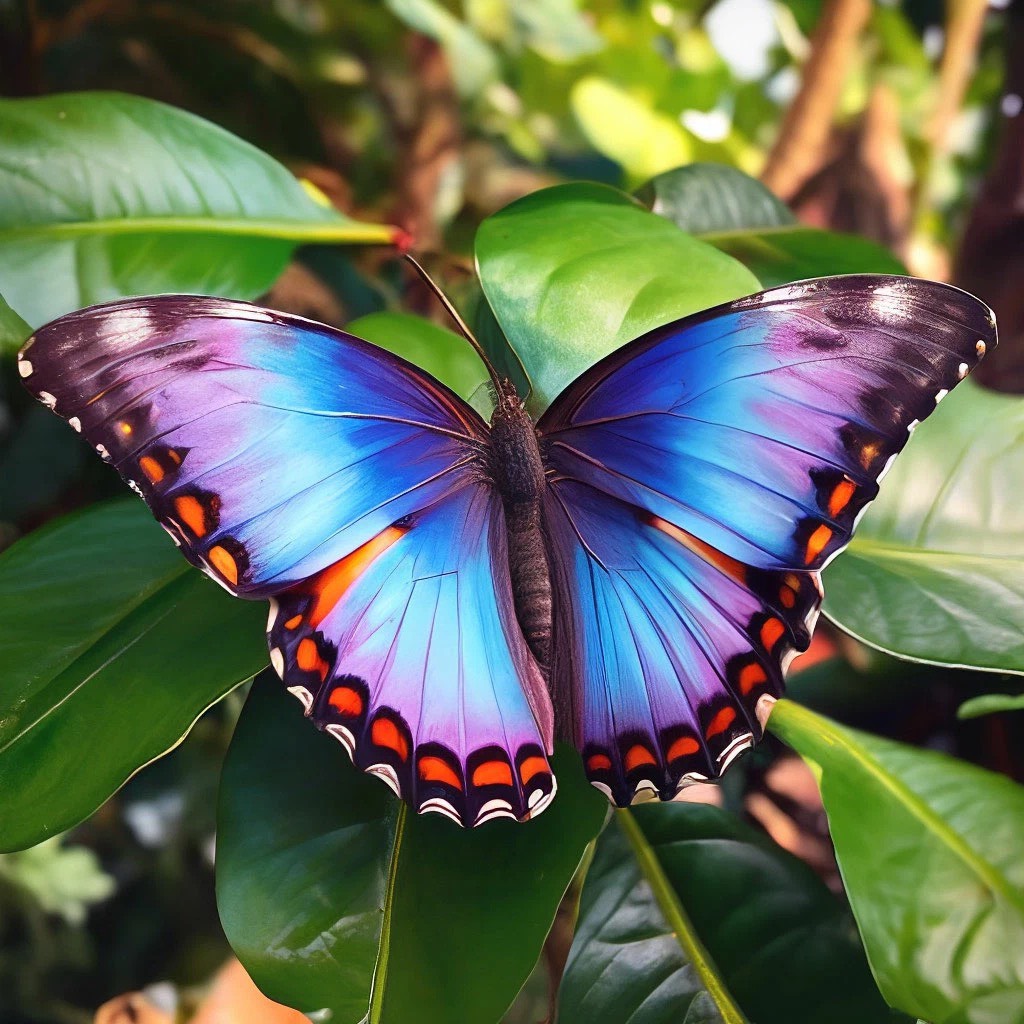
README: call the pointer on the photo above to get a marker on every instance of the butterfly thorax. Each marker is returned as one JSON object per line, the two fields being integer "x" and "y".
{"x": 518, "y": 472}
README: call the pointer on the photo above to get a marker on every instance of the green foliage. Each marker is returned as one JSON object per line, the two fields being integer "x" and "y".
{"x": 575, "y": 271}
{"x": 935, "y": 572}
{"x": 990, "y": 704}
{"x": 688, "y": 913}
{"x": 105, "y": 195}
{"x": 929, "y": 848}
{"x": 354, "y": 904}
{"x": 124, "y": 647}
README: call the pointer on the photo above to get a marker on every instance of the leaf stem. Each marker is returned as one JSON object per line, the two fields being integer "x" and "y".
{"x": 380, "y": 970}
{"x": 677, "y": 918}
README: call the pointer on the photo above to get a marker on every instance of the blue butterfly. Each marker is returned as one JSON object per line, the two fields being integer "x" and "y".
{"x": 632, "y": 573}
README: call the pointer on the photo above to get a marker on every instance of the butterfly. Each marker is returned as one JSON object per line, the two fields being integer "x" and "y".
{"x": 632, "y": 573}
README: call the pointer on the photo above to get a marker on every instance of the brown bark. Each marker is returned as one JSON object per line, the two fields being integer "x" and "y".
{"x": 804, "y": 134}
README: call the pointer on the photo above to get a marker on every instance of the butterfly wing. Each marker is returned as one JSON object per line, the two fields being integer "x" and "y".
{"x": 408, "y": 652}
{"x": 295, "y": 462}
{"x": 700, "y": 479}
{"x": 268, "y": 446}
{"x": 763, "y": 426}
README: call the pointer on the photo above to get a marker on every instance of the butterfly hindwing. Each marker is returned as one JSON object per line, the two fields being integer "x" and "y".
{"x": 409, "y": 653}
{"x": 700, "y": 478}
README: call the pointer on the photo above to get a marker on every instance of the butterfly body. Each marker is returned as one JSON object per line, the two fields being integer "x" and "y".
{"x": 520, "y": 476}
{"x": 633, "y": 573}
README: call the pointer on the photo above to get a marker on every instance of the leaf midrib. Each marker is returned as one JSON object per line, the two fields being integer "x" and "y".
{"x": 270, "y": 228}
{"x": 380, "y": 971}
{"x": 891, "y": 549}
{"x": 987, "y": 873}
{"x": 677, "y": 918}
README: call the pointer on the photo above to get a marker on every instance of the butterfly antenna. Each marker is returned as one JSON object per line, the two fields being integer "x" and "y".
{"x": 459, "y": 322}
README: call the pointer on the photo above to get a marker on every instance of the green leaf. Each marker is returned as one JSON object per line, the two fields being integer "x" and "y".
{"x": 990, "y": 704}
{"x": 443, "y": 353}
{"x": 737, "y": 214}
{"x": 64, "y": 880}
{"x": 335, "y": 896}
{"x": 632, "y": 133}
{"x": 930, "y": 853}
{"x": 689, "y": 914}
{"x": 14, "y": 331}
{"x": 575, "y": 271}
{"x": 112, "y": 646}
{"x": 704, "y": 197}
{"x": 936, "y": 569}
{"x": 104, "y": 195}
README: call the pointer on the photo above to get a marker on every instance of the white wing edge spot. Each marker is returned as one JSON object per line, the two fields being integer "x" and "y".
{"x": 494, "y": 809}
{"x": 48, "y": 400}
{"x": 731, "y": 752}
{"x": 344, "y": 737}
{"x": 75, "y": 424}
{"x": 939, "y": 396}
{"x": 24, "y": 368}
{"x": 438, "y": 805}
{"x": 388, "y": 774}
{"x": 272, "y": 614}
{"x": 304, "y": 696}
{"x": 277, "y": 660}
{"x": 962, "y": 370}
{"x": 981, "y": 347}
{"x": 763, "y": 708}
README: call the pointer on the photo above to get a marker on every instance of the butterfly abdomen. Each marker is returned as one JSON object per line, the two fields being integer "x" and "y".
{"x": 518, "y": 473}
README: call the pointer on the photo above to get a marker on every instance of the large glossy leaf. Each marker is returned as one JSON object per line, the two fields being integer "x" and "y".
{"x": 936, "y": 569}
{"x": 104, "y": 195}
{"x": 689, "y": 914}
{"x": 335, "y": 897}
{"x": 111, "y": 646}
{"x": 575, "y": 271}
{"x": 737, "y": 214}
{"x": 930, "y": 853}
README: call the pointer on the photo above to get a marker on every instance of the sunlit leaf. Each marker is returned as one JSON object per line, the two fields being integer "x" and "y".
{"x": 929, "y": 850}
{"x": 104, "y": 195}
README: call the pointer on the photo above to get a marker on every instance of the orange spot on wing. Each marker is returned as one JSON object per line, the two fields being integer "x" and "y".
{"x": 222, "y": 561}
{"x": 750, "y": 676}
{"x": 682, "y": 747}
{"x": 637, "y": 756}
{"x": 153, "y": 470}
{"x": 306, "y": 655}
{"x": 293, "y": 622}
{"x": 787, "y": 596}
{"x": 816, "y": 542}
{"x": 125, "y": 428}
{"x": 840, "y": 497}
{"x": 771, "y": 632}
{"x": 385, "y": 733}
{"x": 530, "y": 767}
{"x": 329, "y": 587}
{"x": 434, "y": 769}
{"x": 346, "y": 701}
{"x": 598, "y": 763}
{"x": 190, "y": 512}
{"x": 174, "y": 456}
{"x": 869, "y": 453}
{"x": 492, "y": 773}
{"x": 722, "y": 720}
{"x": 724, "y": 563}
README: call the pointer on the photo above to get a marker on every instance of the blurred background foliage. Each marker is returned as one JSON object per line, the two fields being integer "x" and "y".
{"x": 895, "y": 121}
